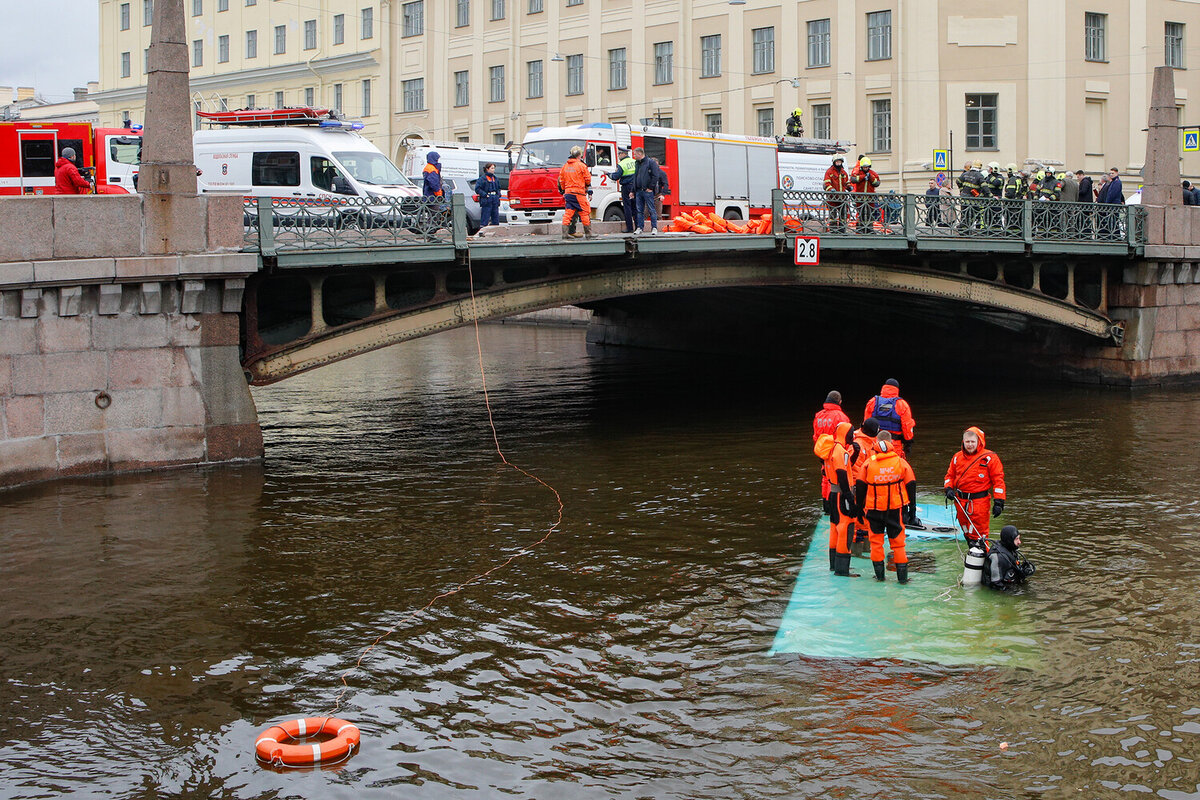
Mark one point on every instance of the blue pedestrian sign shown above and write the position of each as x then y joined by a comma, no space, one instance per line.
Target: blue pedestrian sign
941,160
1191,140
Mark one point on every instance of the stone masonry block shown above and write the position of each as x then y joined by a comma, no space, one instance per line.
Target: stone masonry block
136,449
88,224
15,273
75,270
228,442
1183,273
23,417
24,460
1167,320
1156,226
31,301
150,298
1187,318
193,297
174,224
1171,344
225,215
1177,224
134,408
28,229
64,334
73,412
10,305
145,368
166,267
18,337
182,406
1193,344
185,330
70,301
219,329
110,298
1166,273
81,453
5,376
129,331
59,372
1190,293
1170,295
232,295
219,264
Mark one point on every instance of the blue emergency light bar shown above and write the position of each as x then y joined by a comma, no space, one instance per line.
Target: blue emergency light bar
338,123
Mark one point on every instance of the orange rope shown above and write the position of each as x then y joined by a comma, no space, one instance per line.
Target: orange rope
337,703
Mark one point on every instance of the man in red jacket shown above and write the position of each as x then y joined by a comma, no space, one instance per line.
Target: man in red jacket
975,481
826,421
837,180
864,180
67,179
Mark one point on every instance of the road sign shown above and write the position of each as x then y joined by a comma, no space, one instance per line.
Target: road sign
941,160
1191,140
808,250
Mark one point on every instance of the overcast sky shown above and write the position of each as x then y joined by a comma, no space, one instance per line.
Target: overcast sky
51,45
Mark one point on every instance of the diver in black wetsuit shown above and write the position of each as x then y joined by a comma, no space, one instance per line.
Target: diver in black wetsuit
1005,566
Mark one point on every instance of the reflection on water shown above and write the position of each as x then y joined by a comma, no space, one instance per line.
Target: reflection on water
154,623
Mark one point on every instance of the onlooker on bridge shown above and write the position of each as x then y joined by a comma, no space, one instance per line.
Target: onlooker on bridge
650,188
1111,194
1086,195
67,179
488,188
837,180
1191,195
933,202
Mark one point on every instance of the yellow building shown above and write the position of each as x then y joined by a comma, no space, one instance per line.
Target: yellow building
1063,82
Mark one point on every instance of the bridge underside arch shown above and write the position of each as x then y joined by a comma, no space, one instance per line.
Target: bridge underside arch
917,294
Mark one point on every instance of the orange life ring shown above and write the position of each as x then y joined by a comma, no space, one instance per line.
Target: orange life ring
273,745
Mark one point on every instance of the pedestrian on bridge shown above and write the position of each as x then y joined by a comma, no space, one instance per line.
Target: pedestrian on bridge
650,187
837,180
575,183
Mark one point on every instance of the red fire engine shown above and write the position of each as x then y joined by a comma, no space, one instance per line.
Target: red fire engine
109,157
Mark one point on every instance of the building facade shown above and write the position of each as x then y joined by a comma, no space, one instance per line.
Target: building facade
1063,83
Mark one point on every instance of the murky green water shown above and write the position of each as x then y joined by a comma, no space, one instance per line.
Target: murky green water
152,624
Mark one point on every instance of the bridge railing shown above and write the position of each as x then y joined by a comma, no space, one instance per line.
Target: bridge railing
918,216
281,224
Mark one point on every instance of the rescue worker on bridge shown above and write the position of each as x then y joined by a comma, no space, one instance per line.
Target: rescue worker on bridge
993,184
431,176
835,450
837,180
970,189
623,175
826,421
795,127
886,494
1048,188
975,484
1014,188
1005,566
575,183
864,180
67,179
863,449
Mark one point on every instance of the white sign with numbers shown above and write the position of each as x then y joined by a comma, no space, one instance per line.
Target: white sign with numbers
808,250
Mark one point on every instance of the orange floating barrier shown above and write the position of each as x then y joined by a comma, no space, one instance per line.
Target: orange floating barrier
275,744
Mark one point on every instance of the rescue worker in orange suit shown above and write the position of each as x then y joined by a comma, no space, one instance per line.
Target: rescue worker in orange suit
887,488
975,485
826,421
67,179
575,182
864,180
836,452
893,414
837,180
864,448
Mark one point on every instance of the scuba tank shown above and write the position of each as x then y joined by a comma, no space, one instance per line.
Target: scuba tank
973,566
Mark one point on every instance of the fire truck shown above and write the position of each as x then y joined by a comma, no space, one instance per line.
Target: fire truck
712,172
108,157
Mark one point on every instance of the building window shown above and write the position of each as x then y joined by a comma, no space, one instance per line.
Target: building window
222,5
616,69
279,100
337,97
766,121
710,56
223,49
197,7
414,94
496,84
1173,54
575,74
280,39
497,9
147,12
1093,37
310,99
498,138
462,13
414,18
125,69
251,2
196,107
534,70
366,104
821,121
764,50
881,126
535,6
197,52
462,88
146,61
879,35
818,43
339,28
310,34
664,53
574,2
250,101
368,23
981,122
712,122
124,16
251,44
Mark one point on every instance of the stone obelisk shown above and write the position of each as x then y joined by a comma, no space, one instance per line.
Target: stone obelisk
1160,179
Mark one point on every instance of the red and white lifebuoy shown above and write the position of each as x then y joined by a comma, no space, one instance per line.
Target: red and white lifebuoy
275,745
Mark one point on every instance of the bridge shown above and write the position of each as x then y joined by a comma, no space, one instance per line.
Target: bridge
345,278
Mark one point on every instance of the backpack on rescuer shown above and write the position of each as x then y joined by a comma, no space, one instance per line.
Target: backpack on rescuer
885,413
823,448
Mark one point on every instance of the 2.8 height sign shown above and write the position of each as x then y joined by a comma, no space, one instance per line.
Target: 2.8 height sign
808,250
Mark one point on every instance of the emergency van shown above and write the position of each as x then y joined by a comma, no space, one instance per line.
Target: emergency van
459,159
730,175
108,157
301,153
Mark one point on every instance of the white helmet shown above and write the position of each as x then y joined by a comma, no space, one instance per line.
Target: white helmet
993,165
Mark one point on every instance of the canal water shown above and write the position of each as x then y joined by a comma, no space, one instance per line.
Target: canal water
153,624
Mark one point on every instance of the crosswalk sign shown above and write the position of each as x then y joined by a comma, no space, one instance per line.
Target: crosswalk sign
941,159
1191,140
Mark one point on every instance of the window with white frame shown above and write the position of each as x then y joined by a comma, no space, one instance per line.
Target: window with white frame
125,67
462,88
881,126
279,100
1173,44
575,74
222,49
310,97
366,97
533,70
498,138
368,23
497,9
197,52
462,13
818,43
616,69
337,97
413,15
664,54
251,44
147,12
197,8
766,121
981,121
222,5
339,28
764,50
496,84
710,56
310,34
536,6
414,94
280,39
1094,45
146,61
821,120
124,16
250,101
712,122
879,35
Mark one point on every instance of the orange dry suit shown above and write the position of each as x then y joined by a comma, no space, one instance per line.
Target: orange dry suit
975,479
826,421
864,449
894,415
887,486
575,179
836,454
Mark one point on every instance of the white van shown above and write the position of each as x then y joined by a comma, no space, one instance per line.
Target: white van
460,160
